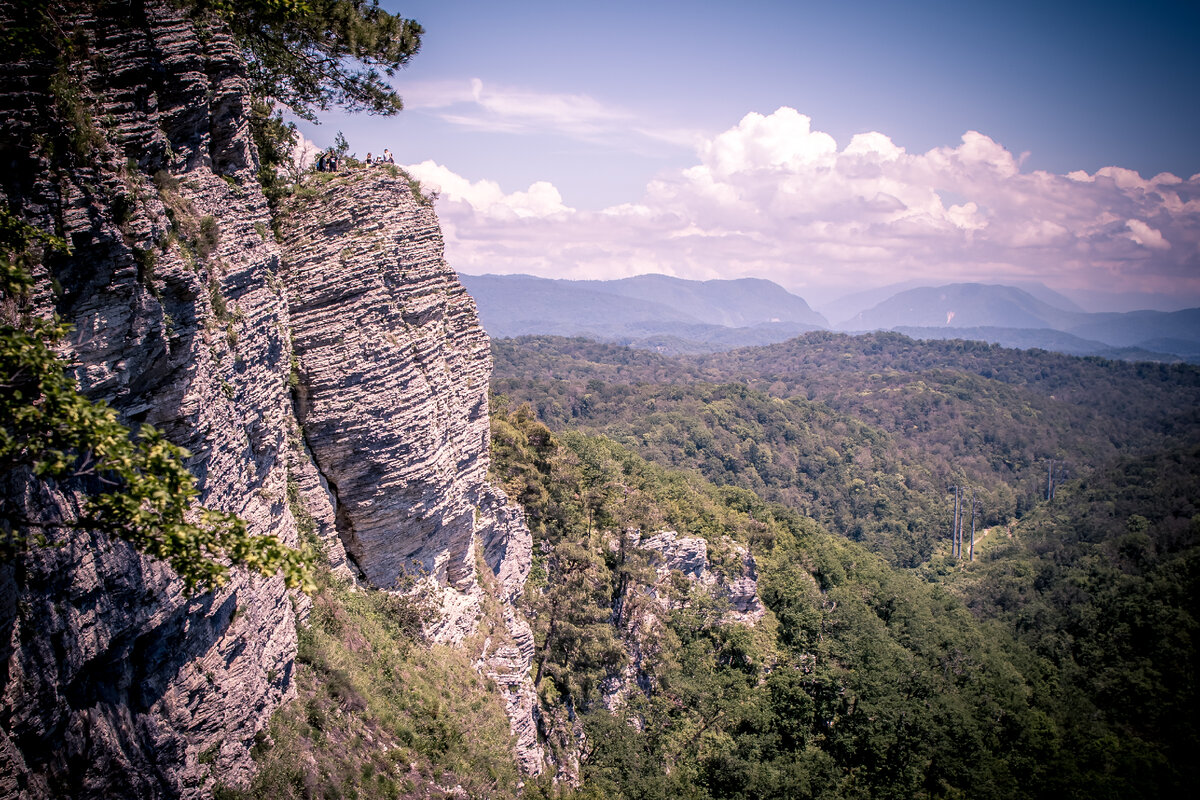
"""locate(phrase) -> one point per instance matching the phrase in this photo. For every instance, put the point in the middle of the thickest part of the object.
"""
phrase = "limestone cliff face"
(113, 682)
(393, 372)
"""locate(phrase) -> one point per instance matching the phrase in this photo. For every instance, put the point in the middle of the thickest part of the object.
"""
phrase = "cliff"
(114, 681)
(392, 381)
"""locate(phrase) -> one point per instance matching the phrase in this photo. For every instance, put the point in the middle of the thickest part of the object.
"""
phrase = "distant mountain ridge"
(649, 311)
(677, 316)
(969, 305)
(975, 310)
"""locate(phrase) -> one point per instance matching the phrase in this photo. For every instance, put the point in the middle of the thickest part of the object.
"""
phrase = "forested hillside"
(1060, 663)
(866, 434)
(862, 680)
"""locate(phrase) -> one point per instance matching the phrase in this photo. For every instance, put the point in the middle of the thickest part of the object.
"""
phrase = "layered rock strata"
(393, 371)
(113, 681)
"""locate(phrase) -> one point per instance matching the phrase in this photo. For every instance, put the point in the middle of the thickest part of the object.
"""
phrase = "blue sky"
(598, 140)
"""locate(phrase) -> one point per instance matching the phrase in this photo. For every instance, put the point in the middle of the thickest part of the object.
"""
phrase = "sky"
(831, 147)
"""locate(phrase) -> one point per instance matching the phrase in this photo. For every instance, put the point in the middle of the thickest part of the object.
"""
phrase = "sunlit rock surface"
(393, 372)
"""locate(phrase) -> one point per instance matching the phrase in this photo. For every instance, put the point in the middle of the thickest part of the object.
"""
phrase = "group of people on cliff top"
(330, 161)
(386, 158)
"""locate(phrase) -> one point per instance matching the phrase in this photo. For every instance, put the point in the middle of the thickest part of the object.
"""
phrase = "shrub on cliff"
(136, 486)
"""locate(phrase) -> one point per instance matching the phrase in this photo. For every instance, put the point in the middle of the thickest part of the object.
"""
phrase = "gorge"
(538, 567)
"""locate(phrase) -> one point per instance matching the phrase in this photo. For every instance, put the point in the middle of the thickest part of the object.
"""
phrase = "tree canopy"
(311, 54)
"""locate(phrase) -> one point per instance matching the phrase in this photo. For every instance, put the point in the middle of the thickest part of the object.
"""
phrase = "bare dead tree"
(972, 551)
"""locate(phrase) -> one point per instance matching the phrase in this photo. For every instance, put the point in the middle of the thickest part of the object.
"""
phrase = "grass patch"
(379, 712)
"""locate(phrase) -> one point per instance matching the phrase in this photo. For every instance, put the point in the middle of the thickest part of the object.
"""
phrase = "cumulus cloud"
(1146, 236)
(485, 198)
(774, 197)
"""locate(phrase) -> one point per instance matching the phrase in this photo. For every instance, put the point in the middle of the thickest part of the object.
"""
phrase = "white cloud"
(772, 197)
(487, 198)
(1146, 236)
(305, 153)
(506, 109)
(784, 141)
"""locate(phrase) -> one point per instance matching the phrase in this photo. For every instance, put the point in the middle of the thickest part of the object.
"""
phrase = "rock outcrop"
(113, 681)
(393, 372)
(732, 582)
(735, 581)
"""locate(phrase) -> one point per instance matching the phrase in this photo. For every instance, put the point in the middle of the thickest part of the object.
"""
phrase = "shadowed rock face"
(113, 683)
(394, 371)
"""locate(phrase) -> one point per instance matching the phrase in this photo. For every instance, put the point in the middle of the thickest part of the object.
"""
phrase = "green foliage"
(863, 434)
(1103, 587)
(1055, 666)
(726, 711)
(274, 139)
(311, 54)
(379, 711)
(137, 487)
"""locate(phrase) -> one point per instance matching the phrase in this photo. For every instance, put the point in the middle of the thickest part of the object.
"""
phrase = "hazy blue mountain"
(1048, 296)
(649, 311)
(963, 305)
(847, 306)
(517, 305)
(730, 303)
(850, 305)
(1136, 328)
(1015, 318)
(676, 316)
(1062, 342)
(1097, 300)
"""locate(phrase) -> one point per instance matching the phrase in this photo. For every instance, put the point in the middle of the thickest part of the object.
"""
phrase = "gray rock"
(115, 683)
(394, 371)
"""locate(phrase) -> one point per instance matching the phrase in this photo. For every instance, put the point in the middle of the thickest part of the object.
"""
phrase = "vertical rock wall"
(113, 682)
(392, 399)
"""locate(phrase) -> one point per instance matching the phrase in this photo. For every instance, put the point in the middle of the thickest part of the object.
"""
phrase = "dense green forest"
(1061, 662)
(864, 434)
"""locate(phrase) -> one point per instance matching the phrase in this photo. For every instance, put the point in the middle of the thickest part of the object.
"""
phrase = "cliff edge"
(392, 374)
(135, 147)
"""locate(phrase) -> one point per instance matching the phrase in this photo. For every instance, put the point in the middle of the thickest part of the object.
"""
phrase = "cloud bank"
(771, 197)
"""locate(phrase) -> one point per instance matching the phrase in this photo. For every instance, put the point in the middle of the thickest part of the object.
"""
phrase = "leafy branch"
(137, 486)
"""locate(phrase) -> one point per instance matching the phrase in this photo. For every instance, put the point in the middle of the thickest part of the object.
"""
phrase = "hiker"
(331, 163)
(387, 156)
(369, 160)
(321, 163)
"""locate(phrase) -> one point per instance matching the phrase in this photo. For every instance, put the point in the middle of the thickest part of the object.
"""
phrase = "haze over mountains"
(674, 315)
(649, 311)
